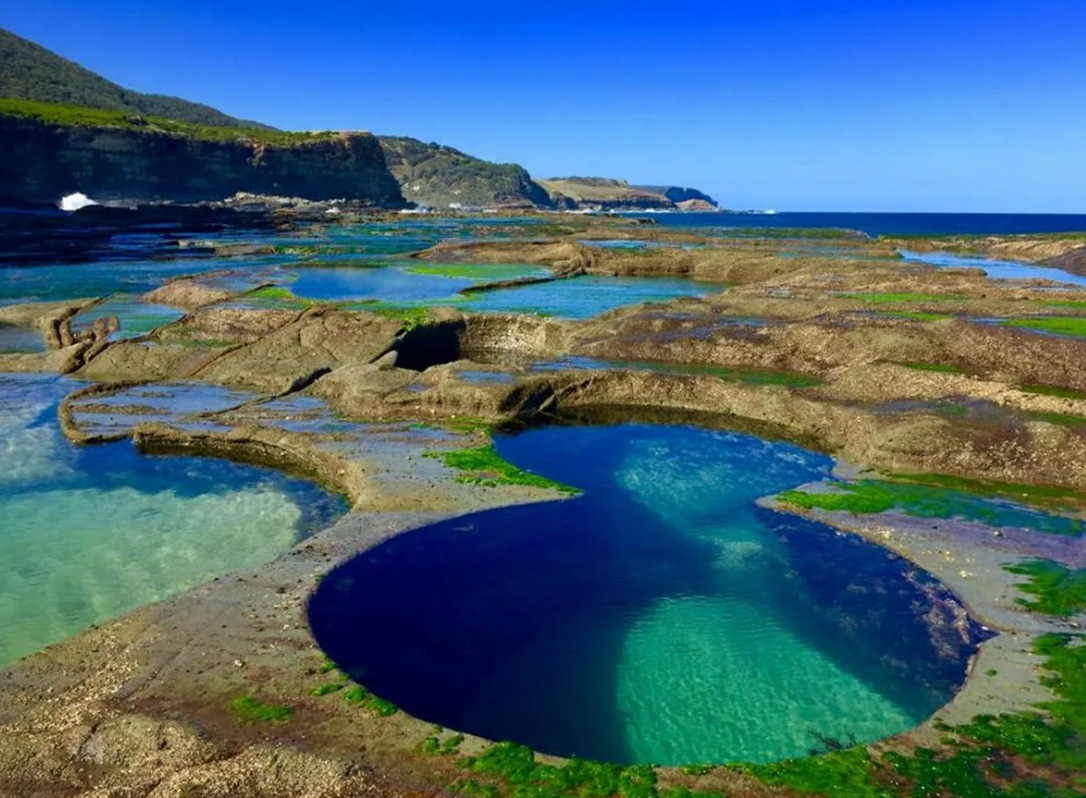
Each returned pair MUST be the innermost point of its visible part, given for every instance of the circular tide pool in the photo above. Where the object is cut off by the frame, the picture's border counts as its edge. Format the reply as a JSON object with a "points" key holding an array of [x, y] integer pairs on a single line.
{"points": [[660, 617]]}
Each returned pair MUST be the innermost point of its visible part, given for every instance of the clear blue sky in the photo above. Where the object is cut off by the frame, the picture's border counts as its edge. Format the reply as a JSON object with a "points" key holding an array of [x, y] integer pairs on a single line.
{"points": [[866, 105]]}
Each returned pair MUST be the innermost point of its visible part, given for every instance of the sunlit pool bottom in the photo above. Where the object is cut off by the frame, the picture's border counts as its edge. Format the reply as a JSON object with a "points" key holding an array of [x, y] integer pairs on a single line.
{"points": [[89, 532], [660, 617]]}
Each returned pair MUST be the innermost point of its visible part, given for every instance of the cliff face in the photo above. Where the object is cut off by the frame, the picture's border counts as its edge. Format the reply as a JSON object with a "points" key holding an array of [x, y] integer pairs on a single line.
{"points": [[439, 176], [44, 161]]}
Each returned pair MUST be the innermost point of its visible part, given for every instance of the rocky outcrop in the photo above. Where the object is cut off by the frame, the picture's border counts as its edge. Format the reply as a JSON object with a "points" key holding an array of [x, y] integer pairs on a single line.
{"points": [[607, 194], [144, 161], [681, 194], [439, 176]]}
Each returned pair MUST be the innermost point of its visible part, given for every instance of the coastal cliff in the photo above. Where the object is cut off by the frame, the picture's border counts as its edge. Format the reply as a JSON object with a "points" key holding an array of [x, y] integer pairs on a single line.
{"points": [[54, 150], [440, 176]]}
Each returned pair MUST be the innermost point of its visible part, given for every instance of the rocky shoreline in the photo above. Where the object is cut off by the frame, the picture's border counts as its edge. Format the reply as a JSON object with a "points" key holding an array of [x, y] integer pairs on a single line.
{"points": [[917, 381]]}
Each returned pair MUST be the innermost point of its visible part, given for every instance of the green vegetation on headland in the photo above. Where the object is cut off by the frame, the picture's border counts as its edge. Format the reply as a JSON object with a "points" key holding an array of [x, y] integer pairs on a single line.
{"points": [[1057, 325], [484, 466], [78, 116], [32, 72], [249, 710], [925, 500], [1059, 590], [1022, 755]]}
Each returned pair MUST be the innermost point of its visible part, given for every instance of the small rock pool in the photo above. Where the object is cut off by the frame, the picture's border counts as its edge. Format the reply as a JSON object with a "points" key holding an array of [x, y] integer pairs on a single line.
{"points": [[659, 617], [90, 532]]}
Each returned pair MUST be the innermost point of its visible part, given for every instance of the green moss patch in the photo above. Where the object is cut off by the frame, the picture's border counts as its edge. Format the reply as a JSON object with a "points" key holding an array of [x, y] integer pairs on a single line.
{"points": [[484, 466], [491, 272], [892, 298], [1075, 304], [1059, 419], [1056, 325], [942, 368], [248, 709], [360, 696], [917, 315], [1059, 590], [1053, 390], [869, 497]]}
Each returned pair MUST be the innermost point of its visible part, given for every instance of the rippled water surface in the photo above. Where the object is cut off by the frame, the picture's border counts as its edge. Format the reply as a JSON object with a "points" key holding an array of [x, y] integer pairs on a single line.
{"points": [[659, 617], [89, 532]]}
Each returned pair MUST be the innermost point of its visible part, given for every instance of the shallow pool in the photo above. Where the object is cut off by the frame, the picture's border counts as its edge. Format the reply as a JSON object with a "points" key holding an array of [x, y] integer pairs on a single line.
{"points": [[660, 617], [583, 297], [89, 532], [996, 269]]}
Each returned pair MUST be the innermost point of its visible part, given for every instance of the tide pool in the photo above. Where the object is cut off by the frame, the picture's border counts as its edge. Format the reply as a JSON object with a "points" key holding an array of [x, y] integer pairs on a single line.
{"points": [[90, 532], [996, 269], [661, 616]]}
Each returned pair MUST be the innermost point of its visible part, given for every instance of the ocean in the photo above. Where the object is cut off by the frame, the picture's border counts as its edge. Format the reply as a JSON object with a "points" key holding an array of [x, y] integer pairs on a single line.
{"points": [[887, 224]]}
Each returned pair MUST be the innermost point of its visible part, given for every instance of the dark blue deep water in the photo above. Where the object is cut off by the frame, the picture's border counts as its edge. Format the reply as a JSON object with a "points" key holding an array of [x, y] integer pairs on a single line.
{"points": [[659, 617], [889, 224]]}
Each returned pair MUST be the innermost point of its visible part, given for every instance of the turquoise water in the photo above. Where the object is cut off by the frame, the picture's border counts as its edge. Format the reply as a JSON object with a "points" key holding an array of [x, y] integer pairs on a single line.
{"points": [[659, 617], [996, 269], [583, 297], [409, 283], [135, 318], [50, 283], [90, 532]]}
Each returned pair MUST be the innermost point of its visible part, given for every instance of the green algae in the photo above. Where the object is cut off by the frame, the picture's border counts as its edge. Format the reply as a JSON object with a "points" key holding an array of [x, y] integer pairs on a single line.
{"points": [[435, 746], [1052, 497], [1059, 419], [1059, 590], [892, 298], [248, 709], [360, 696], [918, 315], [1053, 390], [327, 689], [516, 766], [870, 497], [942, 368], [747, 376], [484, 466], [1057, 325], [474, 271], [1076, 304], [1020, 755]]}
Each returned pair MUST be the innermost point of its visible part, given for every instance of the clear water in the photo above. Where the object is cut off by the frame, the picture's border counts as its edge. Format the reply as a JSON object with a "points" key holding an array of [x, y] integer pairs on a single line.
{"points": [[51, 283], [20, 339], [134, 318], [996, 269], [583, 297], [90, 532], [660, 617], [388, 284]]}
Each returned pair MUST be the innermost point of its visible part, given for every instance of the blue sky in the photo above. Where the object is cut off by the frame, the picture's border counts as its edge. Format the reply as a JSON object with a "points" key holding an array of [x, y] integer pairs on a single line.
{"points": [[874, 105]]}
